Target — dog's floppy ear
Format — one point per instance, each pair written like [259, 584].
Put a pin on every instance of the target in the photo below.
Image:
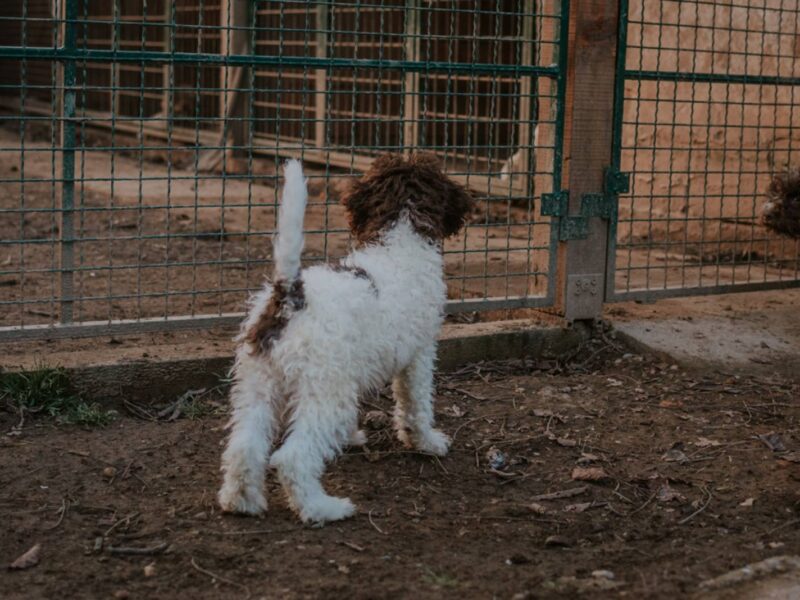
[370, 202]
[435, 205]
[455, 200]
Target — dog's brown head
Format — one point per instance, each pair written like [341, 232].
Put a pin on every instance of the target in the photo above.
[436, 206]
[781, 211]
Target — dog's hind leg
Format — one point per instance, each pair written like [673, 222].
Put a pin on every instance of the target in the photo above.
[322, 422]
[412, 389]
[244, 460]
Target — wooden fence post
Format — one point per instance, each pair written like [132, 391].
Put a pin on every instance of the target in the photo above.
[587, 152]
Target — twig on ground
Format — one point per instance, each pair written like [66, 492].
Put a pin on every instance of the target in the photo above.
[353, 546]
[63, 511]
[253, 531]
[371, 522]
[643, 506]
[157, 549]
[466, 393]
[120, 522]
[699, 510]
[577, 491]
[213, 575]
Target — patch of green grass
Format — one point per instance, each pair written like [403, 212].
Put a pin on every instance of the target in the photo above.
[440, 579]
[47, 391]
[200, 406]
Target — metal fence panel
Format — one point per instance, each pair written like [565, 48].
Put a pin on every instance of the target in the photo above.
[140, 145]
[706, 114]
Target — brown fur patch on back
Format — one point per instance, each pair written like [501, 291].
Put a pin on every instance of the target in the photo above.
[357, 272]
[286, 299]
[436, 205]
[784, 194]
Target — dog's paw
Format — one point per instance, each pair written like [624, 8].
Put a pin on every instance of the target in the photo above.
[327, 508]
[357, 438]
[433, 441]
[237, 501]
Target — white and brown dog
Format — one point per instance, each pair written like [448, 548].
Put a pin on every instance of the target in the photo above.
[316, 339]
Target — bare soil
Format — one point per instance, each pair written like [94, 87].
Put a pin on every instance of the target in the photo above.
[685, 492]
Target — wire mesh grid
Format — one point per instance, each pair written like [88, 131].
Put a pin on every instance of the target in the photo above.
[142, 142]
[706, 116]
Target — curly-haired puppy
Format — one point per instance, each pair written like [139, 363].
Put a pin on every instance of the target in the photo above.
[781, 211]
[316, 339]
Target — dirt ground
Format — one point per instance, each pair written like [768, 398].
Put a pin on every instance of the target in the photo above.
[671, 487]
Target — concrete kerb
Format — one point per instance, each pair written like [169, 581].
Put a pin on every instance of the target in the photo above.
[148, 380]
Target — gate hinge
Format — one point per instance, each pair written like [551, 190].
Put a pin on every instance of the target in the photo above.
[603, 206]
[555, 204]
[577, 227]
[616, 182]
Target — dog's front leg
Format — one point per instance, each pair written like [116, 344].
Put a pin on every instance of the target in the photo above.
[244, 461]
[413, 414]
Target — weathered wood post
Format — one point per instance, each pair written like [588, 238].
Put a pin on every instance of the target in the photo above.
[593, 34]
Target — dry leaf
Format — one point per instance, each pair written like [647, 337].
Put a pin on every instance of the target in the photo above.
[567, 443]
[27, 560]
[791, 457]
[704, 442]
[376, 419]
[587, 458]
[670, 404]
[748, 502]
[589, 474]
[666, 494]
[537, 508]
[557, 540]
[675, 454]
[455, 411]
[772, 441]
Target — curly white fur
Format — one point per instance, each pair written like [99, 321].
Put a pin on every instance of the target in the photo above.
[354, 334]
[289, 241]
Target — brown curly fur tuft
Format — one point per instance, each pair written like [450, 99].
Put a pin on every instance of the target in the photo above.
[436, 205]
[286, 298]
[781, 212]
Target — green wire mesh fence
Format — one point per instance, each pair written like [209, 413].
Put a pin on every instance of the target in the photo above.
[706, 115]
[141, 143]
[142, 140]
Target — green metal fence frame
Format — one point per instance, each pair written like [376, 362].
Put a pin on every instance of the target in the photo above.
[69, 54]
[622, 75]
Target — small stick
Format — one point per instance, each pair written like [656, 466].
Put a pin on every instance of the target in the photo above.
[439, 462]
[157, 549]
[371, 522]
[699, 510]
[253, 531]
[220, 578]
[63, 511]
[464, 392]
[120, 522]
[504, 474]
[353, 546]
[562, 494]
[643, 506]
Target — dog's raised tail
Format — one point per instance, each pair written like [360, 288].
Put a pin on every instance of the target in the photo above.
[288, 244]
